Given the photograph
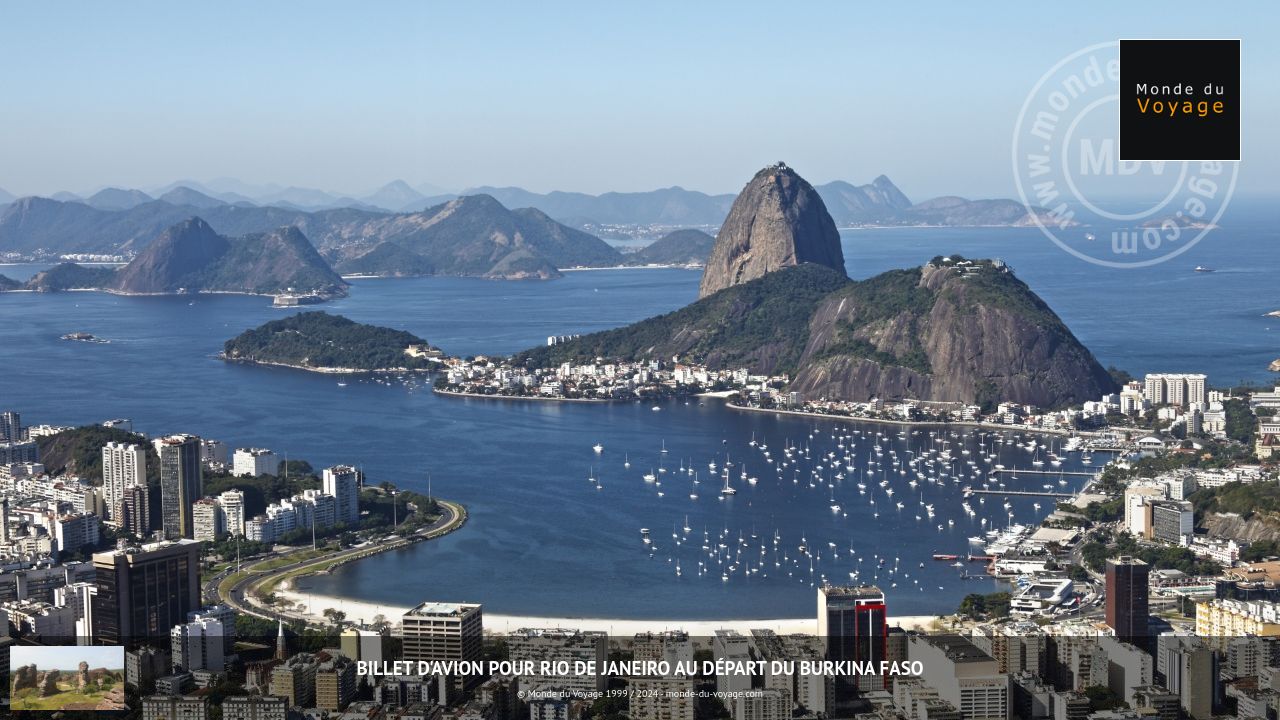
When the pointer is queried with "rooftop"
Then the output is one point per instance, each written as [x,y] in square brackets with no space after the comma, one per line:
[443,609]
[957,648]
[870,592]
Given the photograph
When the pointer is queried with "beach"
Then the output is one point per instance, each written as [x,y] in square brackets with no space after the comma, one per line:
[364,612]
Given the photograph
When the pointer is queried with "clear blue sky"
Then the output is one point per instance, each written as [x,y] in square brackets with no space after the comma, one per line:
[571,96]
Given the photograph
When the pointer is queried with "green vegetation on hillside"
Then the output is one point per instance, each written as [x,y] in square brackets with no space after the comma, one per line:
[1260,550]
[72,276]
[268,263]
[675,248]
[766,319]
[993,288]
[261,491]
[387,259]
[1243,499]
[881,299]
[320,340]
[1159,557]
[79,451]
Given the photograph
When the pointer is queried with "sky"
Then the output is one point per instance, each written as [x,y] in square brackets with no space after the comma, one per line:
[588,97]
[67,657]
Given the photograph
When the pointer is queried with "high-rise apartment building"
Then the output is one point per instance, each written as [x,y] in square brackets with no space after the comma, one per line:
[206,520]
[443,631]
[853,622]
[1181,389]
[341,481]
[142,592]
[231,502]
[199,645]
[124,465]
[1127,611]
[181,483]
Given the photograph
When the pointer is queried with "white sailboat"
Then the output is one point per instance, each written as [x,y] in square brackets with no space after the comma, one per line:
[727,489]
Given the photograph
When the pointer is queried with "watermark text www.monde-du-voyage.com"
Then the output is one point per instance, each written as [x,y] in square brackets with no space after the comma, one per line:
[1126,152]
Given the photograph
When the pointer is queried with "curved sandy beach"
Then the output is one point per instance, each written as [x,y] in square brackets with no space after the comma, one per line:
[360,611]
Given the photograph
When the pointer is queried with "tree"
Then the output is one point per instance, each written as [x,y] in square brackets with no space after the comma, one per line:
[1103,698]
[1077,573]
[976,606]
[335,616]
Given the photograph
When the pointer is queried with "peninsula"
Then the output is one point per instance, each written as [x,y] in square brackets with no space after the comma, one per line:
[776,302]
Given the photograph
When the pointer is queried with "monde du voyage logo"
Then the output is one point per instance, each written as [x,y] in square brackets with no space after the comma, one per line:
[1124,152]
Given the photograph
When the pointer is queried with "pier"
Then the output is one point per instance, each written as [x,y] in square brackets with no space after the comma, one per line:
[1027,493]
[1074,473]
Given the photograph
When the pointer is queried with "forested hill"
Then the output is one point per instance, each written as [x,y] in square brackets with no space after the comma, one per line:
[320,341]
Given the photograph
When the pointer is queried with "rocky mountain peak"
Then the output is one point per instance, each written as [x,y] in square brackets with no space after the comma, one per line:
[777,221]
[889,193]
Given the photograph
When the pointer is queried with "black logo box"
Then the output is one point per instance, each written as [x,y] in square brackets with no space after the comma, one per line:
[1186,65]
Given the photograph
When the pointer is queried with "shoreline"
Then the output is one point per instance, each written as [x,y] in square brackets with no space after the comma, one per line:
[323,370]
[633,267]
[538,398]
[543,399]
[124,293]
[922,423]
[364,611]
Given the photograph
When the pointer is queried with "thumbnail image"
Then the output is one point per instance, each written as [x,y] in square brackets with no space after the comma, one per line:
[66,678]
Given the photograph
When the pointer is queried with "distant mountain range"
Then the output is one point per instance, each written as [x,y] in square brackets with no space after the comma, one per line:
[470,236]
[877,203]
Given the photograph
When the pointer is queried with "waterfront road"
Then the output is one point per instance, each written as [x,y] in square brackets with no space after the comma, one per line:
[235,588]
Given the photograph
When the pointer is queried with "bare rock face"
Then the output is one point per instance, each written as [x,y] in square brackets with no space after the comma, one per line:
[967,332]
[778,220]
[1274,366]
[25,677]
[50,684]
[82,676]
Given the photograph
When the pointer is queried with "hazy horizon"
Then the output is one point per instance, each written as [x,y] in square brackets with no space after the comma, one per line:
[336,97]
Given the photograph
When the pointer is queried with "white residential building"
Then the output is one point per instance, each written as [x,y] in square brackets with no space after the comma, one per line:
[252,462]
[206,517]
[231,502]
[124,465]
[341,481]
[73,532]
[199,645]
[1181,389]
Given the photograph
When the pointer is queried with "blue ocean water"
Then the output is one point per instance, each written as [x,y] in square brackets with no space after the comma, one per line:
[542,540]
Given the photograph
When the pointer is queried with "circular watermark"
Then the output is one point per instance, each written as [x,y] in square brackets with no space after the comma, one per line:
[1083,197]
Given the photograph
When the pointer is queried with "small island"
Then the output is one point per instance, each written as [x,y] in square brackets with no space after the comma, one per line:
[85,337]
[319,342]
